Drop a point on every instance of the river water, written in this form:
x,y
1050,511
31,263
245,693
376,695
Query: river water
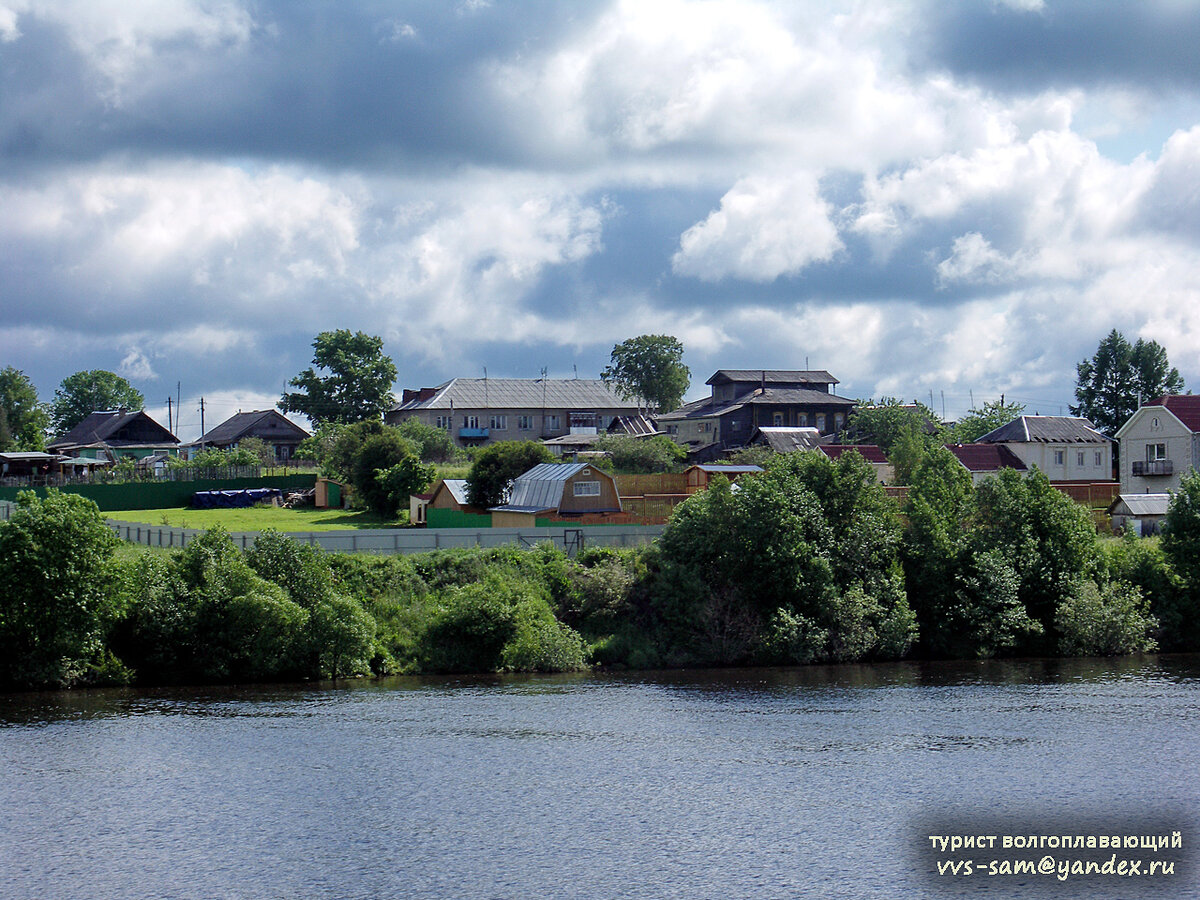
x,y
777,783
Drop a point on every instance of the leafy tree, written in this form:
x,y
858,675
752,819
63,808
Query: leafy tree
x,y
25,418
84,393
433,444
1181,545
399,482
358,385
380,453
1109,385
980,420
1106,620
883,421
910,449
259,450
642,455
497,465
59,596
650,367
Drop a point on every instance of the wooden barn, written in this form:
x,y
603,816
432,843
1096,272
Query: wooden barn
x,y
698,477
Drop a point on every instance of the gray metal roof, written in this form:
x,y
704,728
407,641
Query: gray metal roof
x,y
258,421
542,486
582,394
1141,504
717,469
458,489
783,439
1046,430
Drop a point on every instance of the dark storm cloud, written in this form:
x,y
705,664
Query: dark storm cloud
x,y
335,84
1067,43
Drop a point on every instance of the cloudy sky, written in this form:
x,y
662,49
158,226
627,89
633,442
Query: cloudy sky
x,y
953,198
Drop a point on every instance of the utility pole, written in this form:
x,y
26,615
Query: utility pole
x,y
202,422
170,421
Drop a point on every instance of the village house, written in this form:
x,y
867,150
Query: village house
x,y
1159,444
274,429
743,400
111,434
478,411
1064,448
558,490
985,461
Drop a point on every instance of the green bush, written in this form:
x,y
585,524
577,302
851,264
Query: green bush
x,y
643,456
468,629
1104,621
60,591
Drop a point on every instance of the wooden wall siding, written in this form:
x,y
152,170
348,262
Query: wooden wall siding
x,y
640,485
607,499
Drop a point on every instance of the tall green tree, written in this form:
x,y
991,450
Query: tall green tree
x,y
26,419
884,421
980,420
84,393
649,367
1109,385
354,384
1181,545
498,465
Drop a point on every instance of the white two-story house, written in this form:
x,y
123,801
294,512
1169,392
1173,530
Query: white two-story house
x,y
1064,448
1159,443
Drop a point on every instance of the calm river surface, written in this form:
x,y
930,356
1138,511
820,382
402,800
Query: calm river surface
x,y
818,782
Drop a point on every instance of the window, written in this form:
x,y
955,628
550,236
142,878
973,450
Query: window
x,y
470,421
777,419
500,423
444,422
525,423
1155,452
1098,459
550,423
821,422
1059,457
1079,457
587,489
839,419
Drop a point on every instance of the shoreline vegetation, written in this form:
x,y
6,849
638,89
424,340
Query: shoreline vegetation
x,y
810,562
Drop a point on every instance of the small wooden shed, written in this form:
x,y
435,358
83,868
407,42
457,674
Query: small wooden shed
x,y
560,490
698,477
1140,513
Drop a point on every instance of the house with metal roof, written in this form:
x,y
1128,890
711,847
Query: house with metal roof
x,y
479,411
270,426
561,490
113,433
744,400
1064,448
984,461
1159,443
1140,513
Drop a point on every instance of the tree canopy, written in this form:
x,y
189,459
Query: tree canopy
x,y
25,418
357,384
498,465
650,367
84,393
980,420
884,421
1110,384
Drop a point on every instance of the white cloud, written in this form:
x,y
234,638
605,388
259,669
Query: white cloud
x,y
765,228
136,365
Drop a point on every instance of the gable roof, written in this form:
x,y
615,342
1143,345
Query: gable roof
x,y
1045,430
542,486
455,487
772,376
519,393
238,425
986,457
101,427
1185,407
1140,504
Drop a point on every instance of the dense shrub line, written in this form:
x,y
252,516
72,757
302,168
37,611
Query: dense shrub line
x,y
807,562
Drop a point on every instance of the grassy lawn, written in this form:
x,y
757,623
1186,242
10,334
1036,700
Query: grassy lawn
x,y
257,518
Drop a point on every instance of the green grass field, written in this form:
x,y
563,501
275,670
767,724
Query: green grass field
x,y
257,518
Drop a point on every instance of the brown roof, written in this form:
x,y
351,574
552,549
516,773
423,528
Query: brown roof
x,y
986,457
1185,407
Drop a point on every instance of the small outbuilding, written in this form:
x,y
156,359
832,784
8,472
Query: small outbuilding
x,y
561,490
1140,513
698,477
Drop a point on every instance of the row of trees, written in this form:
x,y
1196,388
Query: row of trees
x,y
808,562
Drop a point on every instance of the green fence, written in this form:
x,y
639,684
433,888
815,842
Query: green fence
x,y
166,494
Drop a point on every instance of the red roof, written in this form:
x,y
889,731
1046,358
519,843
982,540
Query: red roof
x,y
986,457
869,452
1186,408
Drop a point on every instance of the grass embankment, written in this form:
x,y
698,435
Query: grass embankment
x,y
259,518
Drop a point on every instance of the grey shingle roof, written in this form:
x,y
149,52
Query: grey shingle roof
x,y
523,393
238,425
101,427
1045,430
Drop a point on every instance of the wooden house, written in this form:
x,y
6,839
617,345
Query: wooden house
x,y
114,433
698,477
274,429
560,491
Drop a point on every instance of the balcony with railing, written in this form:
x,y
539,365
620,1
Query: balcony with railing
x,y
473,434
1153,467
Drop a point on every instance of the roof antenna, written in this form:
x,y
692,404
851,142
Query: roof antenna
x,y
576,368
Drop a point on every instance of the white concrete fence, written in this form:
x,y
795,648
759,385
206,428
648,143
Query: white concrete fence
x,y
412,540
